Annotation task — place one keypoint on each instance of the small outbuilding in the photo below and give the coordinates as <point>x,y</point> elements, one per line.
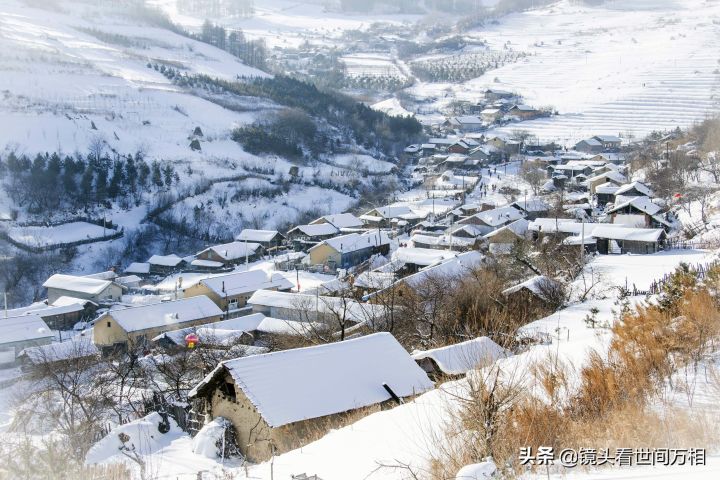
<point>458,359</point>
<point>282,400</point>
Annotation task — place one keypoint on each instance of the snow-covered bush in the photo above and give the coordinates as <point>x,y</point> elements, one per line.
<point>216,440</point>
<point>477,471</point>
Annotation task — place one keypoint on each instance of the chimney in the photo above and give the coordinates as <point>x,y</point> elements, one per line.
<point>223,286</point>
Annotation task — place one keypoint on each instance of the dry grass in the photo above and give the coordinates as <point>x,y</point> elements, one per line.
<point>609,405</point>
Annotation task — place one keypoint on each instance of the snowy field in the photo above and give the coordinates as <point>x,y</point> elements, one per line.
<point>68,82</point>
<point>641,270</point>
<point>606,69</point>
<point>359,162</point>
<point>371,65</point>
<point>59,234</point>
<point>288,23</point>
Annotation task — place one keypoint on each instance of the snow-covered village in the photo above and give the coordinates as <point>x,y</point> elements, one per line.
<point>359,240</point>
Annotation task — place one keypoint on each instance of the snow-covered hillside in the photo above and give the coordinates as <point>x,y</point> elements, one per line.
<point>621,67</point>
<point>65,71</point>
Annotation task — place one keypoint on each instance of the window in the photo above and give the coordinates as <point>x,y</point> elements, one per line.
<point>109,324</point>
<point>228,389</point>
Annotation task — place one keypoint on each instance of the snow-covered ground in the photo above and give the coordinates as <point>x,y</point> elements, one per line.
<point>38,236</point>
<point>289,23</point>
<point>617,68</point>
<point>377,446</point>
<point>67,82</point>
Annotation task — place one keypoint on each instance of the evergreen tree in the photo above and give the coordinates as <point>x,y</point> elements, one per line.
<point>118,179</point>
<point>131,173</point>
<point>101,184</point>
<point>156,174</point>
<point>167,171</point>
<point>69,184</point>
<point>143,173</point>
<point>86,182</point>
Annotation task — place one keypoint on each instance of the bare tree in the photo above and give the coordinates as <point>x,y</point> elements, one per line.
<point>534,175</point>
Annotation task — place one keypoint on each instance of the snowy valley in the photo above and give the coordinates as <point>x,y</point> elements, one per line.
<point>340,239</point>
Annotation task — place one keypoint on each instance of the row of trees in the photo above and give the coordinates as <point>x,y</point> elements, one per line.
<point>217,8</point>
<point>459,68</point>
<point>48,181</point>
<point>251,52</point>
<point>352,120</point>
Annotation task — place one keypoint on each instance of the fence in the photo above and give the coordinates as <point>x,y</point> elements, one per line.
<point>678,244</point>
<point>700,270</point>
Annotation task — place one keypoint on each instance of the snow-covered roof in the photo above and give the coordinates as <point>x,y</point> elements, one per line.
<point>325,379</point>
<point>460,358</point>
<point>628,233</point>
<point>277,326</point>
<point>612,175</point>
<point>340,220</point>
<point>23,328</point>
<point>468,119</point>
<point>106,275</point>
<point>472,230</point>
<point>537,285</point>
<point>215,331</point>
<point>61,306</point>
<point>352,310</point>
<point>552,225</point>
<point>532,205</point>
<point>518,227</point>
<point>257,235</point>
<point>441,141</point>
<point>138,267</point>
<point>171,260</point>
<point>607,188</point>
<point>643,204</point>
<point>591,141</point>
<point>73,302</point>
<point>238,283</point>
<point>316,230</point>
<point>234,250</point>
<point>376,280</point>
<point>397,211</point>
<point>171,313</point>
<point>355,241</point>
<point>607,138</point>
<point>420,256</point>
<point>460,264</point>
<point>499,216</point>
<point>638,186</point>
<point>206,263</point>
<point>127,280</point>
<point>442,240</point>
<point>72,283</point>
<point>76,347</point>
<point>523,107</point>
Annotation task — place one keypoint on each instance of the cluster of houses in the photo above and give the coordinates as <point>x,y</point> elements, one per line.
<point>496,107</point>
<point>390,248</point>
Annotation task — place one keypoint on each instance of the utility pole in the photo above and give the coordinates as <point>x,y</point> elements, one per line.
<point>6,310</point>
<point>246,256</point>
<point>582,243</point>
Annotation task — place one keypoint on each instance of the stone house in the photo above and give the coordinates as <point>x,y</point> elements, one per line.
<point>282,400</point>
